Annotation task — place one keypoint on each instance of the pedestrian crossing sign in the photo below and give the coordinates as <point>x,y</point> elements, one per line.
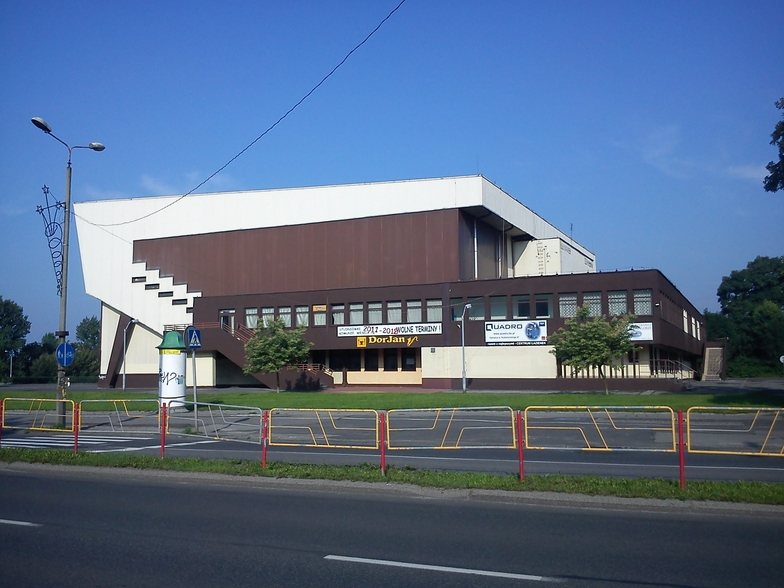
<point>193,338</point>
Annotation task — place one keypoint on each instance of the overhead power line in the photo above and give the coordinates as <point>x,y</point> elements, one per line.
<point>257,139</point>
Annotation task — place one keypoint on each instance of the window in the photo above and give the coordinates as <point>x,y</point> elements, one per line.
<point>593,302</point>
<point>338,314</point>
<point>477,310</point>
<point>138,279</point>
<point>643,302</point>
<point>284,313</point>
<point>617,303</point>
<point>395,311</point>
<point>319,315</point>
<point>356,313</point>
<point>544,305</point>
<point>302,316</point>
<point>685,320</point>
<point>409,359</point>
<point>498,308</point>
<point>390,360</point>
<point>699,336</point>
<point>456,306</point>
<point>371,360</point>
<point>434,314</point>
<point>375,314</point>
<point>353,360</point>
<point>166,294</point>
<point>413,311</point>
<point>151,286</point>
<point>251,318</point>
<point>567,305</point>
<point>180,301</point>
<point>521,306</point>
<point>267,315</point>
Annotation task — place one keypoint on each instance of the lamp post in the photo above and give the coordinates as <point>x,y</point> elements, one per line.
<point>125,344</point>
<point>462,334</point>
<point>62,333</point>
<point>11,359</point>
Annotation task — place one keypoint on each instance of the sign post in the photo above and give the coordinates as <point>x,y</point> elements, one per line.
<point>193,342</point>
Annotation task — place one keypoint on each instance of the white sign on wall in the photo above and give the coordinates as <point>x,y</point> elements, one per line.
<point>642,331</point>
<point>516,332</point>
<point>407,329</point>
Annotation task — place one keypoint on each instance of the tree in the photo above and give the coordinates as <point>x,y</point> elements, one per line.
<point>14,328</point>
<point>586,342</point>
<point>774,181</point>
<point>274,347</point>
<point>752,317</point>
<point>741,291</point>
<point>87,358</point>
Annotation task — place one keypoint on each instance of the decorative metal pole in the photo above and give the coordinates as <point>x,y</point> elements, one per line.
<point>62,333</point>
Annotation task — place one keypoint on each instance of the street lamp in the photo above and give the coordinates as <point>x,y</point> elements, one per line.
<point>125,344</point>
<point>62,333</point>
<point>462,333</point>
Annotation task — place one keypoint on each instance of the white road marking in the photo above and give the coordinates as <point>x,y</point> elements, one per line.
<point>157,446</point>
<point>401,564</point>
<point>18,523</point>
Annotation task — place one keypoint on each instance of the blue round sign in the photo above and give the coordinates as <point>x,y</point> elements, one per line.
<point>65,354</point>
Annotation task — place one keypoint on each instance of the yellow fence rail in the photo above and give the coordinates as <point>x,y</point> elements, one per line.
<point>37,414</point>
<point>601,428</point>
<point>339,428</point>
<point>735,431</point>
<point>120,416</point>
<point>490,427</point>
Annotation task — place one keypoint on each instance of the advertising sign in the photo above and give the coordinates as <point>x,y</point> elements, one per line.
<point>642,332</point>
<point>394,330</point>
<point>532,332</point>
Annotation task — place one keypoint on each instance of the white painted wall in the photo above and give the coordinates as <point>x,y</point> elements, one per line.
<point>524,361</point>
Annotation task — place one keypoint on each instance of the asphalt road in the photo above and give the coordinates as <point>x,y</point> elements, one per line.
<point>84,527</point>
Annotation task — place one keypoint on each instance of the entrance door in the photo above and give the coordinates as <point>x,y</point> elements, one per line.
<point>227,320</point>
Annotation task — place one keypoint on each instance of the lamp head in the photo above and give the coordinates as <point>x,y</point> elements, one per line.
<point>41,124</point>
<point>468,305</point>
<point>96,146</point>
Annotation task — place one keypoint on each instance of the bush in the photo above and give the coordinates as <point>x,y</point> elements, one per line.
<point>752,367</point>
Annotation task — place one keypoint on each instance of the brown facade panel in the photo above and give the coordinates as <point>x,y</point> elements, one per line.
<point>357,253</point>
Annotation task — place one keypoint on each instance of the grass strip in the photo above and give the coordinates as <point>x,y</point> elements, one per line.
<point>739,492</point>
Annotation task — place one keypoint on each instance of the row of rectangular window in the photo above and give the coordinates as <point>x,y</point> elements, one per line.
<point>524,306</point>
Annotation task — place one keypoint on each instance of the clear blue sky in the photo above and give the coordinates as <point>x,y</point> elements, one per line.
<point>644,125</point>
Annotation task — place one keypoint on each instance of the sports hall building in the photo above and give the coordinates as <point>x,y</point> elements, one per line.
<point>382,275</point>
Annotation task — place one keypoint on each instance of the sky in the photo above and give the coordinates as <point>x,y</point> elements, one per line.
<point>642,128</point>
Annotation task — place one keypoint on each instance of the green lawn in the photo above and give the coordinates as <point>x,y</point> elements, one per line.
<point>747,492</point>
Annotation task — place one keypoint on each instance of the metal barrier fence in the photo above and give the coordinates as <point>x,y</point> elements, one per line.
<point>226,422</point>
<point>735,431</point>
<point>601,428</point>
<point>344,428</point>
<point>119,416</point>
<point>451,428</point>
<point>720,430</point>
<point>37,414</point>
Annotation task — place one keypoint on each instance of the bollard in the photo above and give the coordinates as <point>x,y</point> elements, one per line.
<point>520,444</point>
<point>163,429</point>
<point>264,436</point>
<point>76,423</point>
<point>382,433</point>
<point>681,450</point>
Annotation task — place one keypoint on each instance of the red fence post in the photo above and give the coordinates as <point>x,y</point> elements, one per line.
<point>163,428</point>
<point>76,428</point>
<point>681,450</point>
<point>1,421</point>
<point>520,444</point>
<point>264,437</point>
<point>382,434</point>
